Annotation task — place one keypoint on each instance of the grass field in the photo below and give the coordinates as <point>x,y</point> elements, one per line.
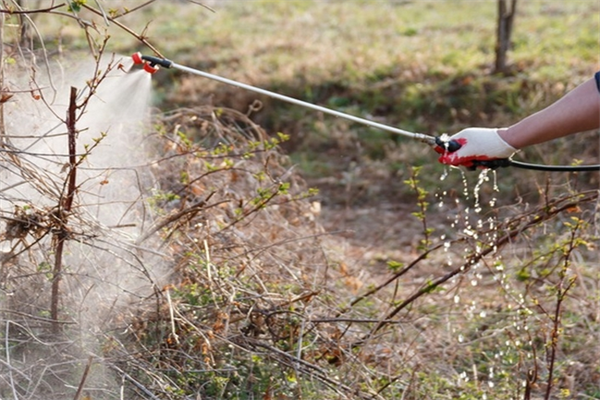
<point>423,67</point>
<point>399,279</point>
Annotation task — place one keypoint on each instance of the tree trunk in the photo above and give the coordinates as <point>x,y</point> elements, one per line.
<point>506,17</point>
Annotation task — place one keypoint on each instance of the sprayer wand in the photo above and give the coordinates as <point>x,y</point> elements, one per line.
<point>151,65</point>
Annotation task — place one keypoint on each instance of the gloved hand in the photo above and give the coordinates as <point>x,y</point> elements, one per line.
<point>477,144</point>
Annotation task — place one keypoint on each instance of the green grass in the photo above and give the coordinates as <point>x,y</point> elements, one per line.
<point>421,66</point>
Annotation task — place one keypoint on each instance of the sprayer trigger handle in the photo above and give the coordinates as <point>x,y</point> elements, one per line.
<point>450,146</point>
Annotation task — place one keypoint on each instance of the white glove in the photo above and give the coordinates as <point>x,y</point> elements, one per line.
<point>481,144</point>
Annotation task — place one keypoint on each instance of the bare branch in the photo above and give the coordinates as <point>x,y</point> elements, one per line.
<point>37,11</point>
<point>125,28</point>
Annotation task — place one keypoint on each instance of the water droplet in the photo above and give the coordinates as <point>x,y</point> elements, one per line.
<point>444,174</point>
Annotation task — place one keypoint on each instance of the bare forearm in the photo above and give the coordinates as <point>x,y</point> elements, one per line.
<point>577,111</point>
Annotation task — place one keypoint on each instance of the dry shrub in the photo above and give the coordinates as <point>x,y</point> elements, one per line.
<point>250,270</point>
<point>259,301</point>
<point>263,303</point>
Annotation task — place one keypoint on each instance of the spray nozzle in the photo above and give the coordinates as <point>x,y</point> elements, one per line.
<point>151,63</point>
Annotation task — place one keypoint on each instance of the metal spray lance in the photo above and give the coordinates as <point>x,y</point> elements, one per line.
<point>440,143</point>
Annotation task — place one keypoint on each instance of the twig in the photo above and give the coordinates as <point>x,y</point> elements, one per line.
<point>560,296</point>
<point>45,57</point>
<point>72,137</point>
<point>34,317</point>
<point>397,275</point>
<point>61,236</point>
<point>2,127</point>
<point>257,207</point>
<point>390,382</point>
<point>83,378</point>
<point>353,320</point>
<point>135,383</point>
<point>543,214</point>
<point>7,347</point>
<point>125,28</point>
<point>192,210</point>
<point>171,316</point>
<point>36,11</point>
<point>202,5</point>
<point>130,10</point>
<point>314,370</point>
<point>103,12</point>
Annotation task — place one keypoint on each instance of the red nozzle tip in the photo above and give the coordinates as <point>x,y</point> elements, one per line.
<point>137,58</point>
<point>150,68</point>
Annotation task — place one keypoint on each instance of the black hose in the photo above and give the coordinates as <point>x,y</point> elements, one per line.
<point>507,162</point>
<point>555,168</point>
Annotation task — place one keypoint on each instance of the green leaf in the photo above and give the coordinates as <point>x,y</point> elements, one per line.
<point>523,275</point>
<point>75,6</point>
<point>395,266</point>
